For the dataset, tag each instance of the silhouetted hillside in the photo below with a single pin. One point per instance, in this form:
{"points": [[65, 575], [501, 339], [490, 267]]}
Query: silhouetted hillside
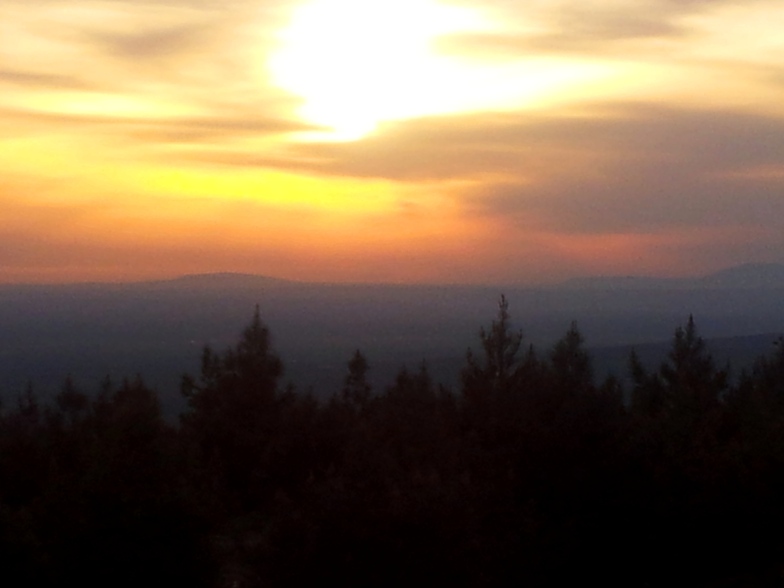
{"points": [[750, 275]]}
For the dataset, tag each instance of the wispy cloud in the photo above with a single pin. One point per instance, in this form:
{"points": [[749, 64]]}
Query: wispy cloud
{"points": [[593, 129]]}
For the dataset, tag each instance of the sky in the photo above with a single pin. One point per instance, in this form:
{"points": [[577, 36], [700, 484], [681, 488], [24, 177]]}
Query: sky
{"points": [[398, 141]]}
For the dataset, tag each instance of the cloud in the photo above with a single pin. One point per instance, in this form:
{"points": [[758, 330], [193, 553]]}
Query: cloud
{"points": [[213, 130], [527, 29], [681, 145], [142, 74], [170, 42], [33, 79], [580, 35], [628, 168], [655, 168], [129, 44], [136, 138], [434, 148], [623, 136]]}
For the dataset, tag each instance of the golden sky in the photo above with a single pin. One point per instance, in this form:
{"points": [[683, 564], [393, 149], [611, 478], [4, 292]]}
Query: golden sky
{"points": [[389, 140]]}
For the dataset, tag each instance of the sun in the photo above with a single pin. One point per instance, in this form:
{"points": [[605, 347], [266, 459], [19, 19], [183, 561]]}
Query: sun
{"points": [[356, 63]]}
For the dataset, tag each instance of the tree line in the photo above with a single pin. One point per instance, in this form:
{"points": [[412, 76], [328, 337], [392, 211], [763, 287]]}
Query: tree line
{"points": [[531, 473]]}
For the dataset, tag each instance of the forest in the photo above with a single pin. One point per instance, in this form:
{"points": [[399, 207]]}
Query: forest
{"points": [[529, 472]]}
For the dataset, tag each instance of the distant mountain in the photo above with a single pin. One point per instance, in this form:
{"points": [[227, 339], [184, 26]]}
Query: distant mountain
{"points": [[222, 280], [749, 275], [626, 283]]}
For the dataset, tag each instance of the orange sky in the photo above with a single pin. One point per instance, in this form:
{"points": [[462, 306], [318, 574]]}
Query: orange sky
{"points": [[394, 141]]}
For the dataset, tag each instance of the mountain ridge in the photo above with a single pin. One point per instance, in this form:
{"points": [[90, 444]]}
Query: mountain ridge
{"points": [[746, 275]]}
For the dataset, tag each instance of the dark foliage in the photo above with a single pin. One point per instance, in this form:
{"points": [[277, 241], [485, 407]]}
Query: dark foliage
{"points": [[531, 473], [91, 492]]}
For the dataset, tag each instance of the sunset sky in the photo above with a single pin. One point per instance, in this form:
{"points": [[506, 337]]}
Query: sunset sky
{"points": [[459, 141]]}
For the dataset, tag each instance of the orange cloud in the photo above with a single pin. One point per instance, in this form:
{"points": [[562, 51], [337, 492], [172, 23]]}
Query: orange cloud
{"points": [[144, 139]]}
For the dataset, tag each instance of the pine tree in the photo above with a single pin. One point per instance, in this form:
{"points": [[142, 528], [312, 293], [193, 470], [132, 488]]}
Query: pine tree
{"points": [[570, 364], [690, 378], [233, 410], [498, 371], [356, 389]]}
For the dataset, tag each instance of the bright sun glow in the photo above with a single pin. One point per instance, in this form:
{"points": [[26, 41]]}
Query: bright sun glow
{"points": [[357, 63]]}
